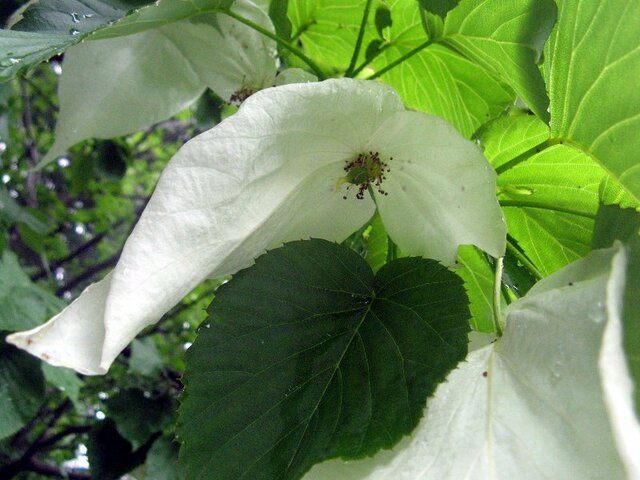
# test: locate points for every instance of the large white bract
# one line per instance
(274, 172)
(116, 86)
(551, 399)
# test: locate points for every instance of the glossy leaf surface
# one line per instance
(307, 355)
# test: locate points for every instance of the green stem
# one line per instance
(544, 206)
(524, 260)
(392, 250)
(398, 61)
(497, 296)
(284, 44)
(367, 62)
(356, 50)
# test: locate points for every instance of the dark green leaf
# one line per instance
(20, 50)
(81, 16)
(162, 460)
(631, 315)
(439, 7)
(21, 388)
(614, 223)
(209, 110)
(382, 19)
(65, 379)
(372, 49)
(139, 416)
(49, 28)
(145, 358)
(24, 304)
(111, 159)
(278, 14)
(307, 356)
(110, 455)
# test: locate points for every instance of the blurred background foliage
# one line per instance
(62, 228)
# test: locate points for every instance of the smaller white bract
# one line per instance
(296, 161)
(128, 83)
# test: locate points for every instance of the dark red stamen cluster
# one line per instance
(366, 170)
(240, 96)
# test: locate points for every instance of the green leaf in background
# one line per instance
(11, 212)
(436, 80)
(139, 415)
(162, 460)
(506, 138)
(593, 54)
(551, 240)
(528, 406)
(111, 455)
(65, 379)
(20, 50)
(439, 7)
(443, 83)
(21, 388)
(307, 355)
(615, 223)
(549, 197)
(49, 27)
(478, 279)
(24, 304)
(145, 358)
(382, 19)
(506, 38)
(278, 14)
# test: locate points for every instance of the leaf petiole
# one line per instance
(356, 50)
(280, 41)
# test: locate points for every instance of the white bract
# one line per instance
(543, 402)
(116, 86)
(274, 172)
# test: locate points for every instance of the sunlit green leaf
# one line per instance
(307, 355)
(506, 37)
(506, 138)
(478, 279)
(593, 54)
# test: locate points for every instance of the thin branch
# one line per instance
(89, 273)
(398, 61)
(356, 50)
(76, 253)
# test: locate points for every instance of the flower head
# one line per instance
(279, 170)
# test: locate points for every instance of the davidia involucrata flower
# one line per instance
(296, 161)
(136, 80)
